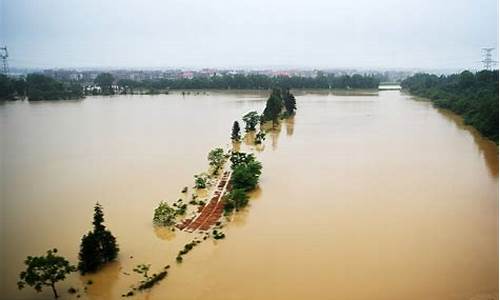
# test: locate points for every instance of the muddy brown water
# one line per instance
(367, 195)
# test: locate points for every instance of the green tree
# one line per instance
(164, 215)
(246, 175)
(105, 82)
(45, 271)
(251, 120)
(289, 102)
(274, 106)
(6, 88)
(90, 255)
(216, 159)
(235, 132)
(239, 197)
(97, 247)
(238, 158)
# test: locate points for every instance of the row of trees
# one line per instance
(473, 96)
(38, 87)
(97, 248)
(41, 87)
(322, 81)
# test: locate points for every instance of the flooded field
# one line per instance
(367, 195)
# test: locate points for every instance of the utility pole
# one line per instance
(488, 61)
(4, 54)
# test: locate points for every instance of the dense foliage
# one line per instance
(98, 246)
(246, 171)
(473, 96)
(289, 102)
(239, 81)
(216, 159)
(38, 87)
(45, 271)
(164, 215)
(274, 106)
(10, 88)
(105, 82)
(251, 120)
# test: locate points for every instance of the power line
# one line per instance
(4, 54)
(488, 61)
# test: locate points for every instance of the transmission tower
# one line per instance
(4, 54)
(488, 61)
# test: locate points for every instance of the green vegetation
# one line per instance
(245, 176)
(260, 137)
(180, 208)
(12, 88)
(274, 106)
(251, 120)
(237, 199)
(45, 271)
(105, 82)
(201, 181)
(188, 247)
(216, 159)
(164, 215)
(98, 246)
(218, 235)
(473, 96)
(235, 132)
(149, 280)
(38, 87)
(289, 102)
(253, 81)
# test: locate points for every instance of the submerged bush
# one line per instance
(164, 215)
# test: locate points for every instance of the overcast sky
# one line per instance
(248, 33)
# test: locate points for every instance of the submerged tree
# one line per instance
(98, 246)
(289, 102)
(45, 271)
(235, 133)
(251, 120)
(274, 106)
(216, 159)
(164, 215)
(260, 137)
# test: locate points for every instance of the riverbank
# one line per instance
(472, 96)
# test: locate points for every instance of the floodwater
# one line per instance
(363, 196)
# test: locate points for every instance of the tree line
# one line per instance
(263, 82)
(473, 96)
(40, 87)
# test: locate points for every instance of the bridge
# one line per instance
(389, 86)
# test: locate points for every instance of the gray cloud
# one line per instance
(248, 33)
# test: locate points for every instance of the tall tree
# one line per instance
(289, 102)
(98, 246)
(235, 132)
(45, 271)
(274, 106)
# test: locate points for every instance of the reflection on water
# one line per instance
(289, 125)
(101, 284)
(164, 233)
(362, 189)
